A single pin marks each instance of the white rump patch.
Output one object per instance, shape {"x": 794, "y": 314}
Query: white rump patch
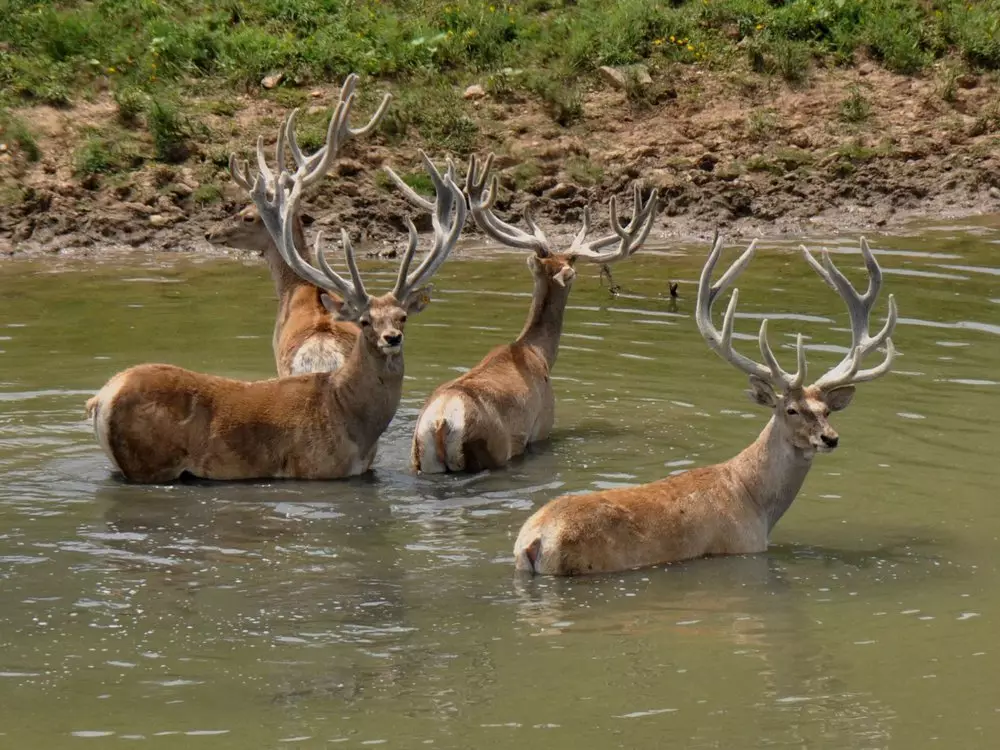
{"x": 448, "y": 411}
{"x": 102, "y": 415}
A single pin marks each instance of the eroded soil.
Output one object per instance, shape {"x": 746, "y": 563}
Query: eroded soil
{"x": 746, "y": 154}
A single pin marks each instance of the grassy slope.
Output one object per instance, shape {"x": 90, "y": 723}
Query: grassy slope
{"x": 173, "y": 67}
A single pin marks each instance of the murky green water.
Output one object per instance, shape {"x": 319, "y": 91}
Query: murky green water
{"x": 384, "y": 610}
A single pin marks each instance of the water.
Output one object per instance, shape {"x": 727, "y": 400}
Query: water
{"x": 384, "y": 610}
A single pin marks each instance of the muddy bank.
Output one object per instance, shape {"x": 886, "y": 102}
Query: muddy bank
{"x": 858, "y": 149}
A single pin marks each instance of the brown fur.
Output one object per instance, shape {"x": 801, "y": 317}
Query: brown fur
{"x": 302, "y": 323}
{"x": 507, "y": 399}
{"x": 165, "y": 421}
{"x": 725, "y": 509}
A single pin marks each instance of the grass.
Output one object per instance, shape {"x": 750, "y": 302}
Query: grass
{"x": 105, "y": 153}
{"x": 855, "y": 108}
{"x": 53, "y": 51}
{"x": 13, "y": 129}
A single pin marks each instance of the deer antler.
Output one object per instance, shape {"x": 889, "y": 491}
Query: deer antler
{"x": 859, "y": 307}
{"x": 309, "y": 169}
{"x": 721, "y": 342}
{"x": 282, "y": 207}
{"x": 630, "y": 237}
{"x": 448, "y": 213}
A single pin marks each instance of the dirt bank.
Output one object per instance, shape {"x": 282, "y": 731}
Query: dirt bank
{"x": 855, "y": 149}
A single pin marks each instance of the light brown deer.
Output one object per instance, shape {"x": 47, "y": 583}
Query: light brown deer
{"x": 156, "y": 422}
{"x": 729, "y": 508}
{"x": 307, "y": 337}
{"x": 490, "y": 414}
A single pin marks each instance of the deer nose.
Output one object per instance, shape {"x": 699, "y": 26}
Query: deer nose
{"x": 208, "y": 236}
{"x": 831, "y": 442}
{"x": 393, "y": 339}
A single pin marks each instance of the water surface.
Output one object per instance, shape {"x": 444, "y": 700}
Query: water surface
{"x": 383, "y": 610}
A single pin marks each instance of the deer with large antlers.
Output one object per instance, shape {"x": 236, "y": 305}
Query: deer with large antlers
{"x": 729, "y": 508}
{"x": 307, "y": 337}
{"x": 156, "y": 422}
{"x": 490, "y": 414}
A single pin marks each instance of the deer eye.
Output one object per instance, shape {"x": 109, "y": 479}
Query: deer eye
{"x": 826, "y": 413}
{"x": 364, "y": 322}
{"x": 402, "y": 319}
{"x": 791, "y": 412}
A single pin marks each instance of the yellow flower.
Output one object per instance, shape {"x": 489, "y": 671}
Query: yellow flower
{"x": 112, "y": 70}
{"x": 690, "y": 48}
{"x": 657, "y": 42}
{"x": 672, "y": 39}
{"x": 760, "y": 26}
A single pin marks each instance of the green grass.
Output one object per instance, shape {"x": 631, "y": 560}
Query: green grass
{"x": 51, "y": 50}
{"x": 14, "y": 129}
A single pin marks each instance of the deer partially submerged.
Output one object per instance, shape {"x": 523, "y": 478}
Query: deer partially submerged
{"x": 307, "y": 337}
{"x": 729, "y": 508}
{"x": 156, "y": 422}
{"x": 484, "y": 418}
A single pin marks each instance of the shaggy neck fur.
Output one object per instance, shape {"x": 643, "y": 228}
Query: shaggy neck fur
{"x": 772, "y": 471}
{"x": 367, "y": 390}
{"x": 544, "y": 325}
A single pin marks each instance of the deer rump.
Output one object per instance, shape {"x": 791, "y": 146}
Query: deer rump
{"x": 487, "y": 416}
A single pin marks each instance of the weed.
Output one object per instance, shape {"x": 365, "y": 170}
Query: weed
{"x": 524, "y": 174}
{"x": 855, "y": 108}
{"x": 761, "y": 124}
{"x": 131, "y": 103}
{"x": 436, "y": 112}
{"x": 582, "y": 171}
{"x": 988, "y": 120}
{"x": 561, "y": 98}
{"x": 947, "y": 82}
{"x": 170, "y": 130}
{"x": 13, "y": 128}
{"x": 103, "y": 154}
{"x": 207, "y": 194}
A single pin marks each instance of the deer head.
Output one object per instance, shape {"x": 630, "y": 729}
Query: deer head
{"x": 801, "y": 412}
{"x": 381, "y": 318}
{"x": 246, "y": 231}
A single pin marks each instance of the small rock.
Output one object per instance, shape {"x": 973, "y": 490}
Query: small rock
{"x": 866, "y": 69}
{"x": 995, "y": 193}
{"x": 562, "y": 190}
{"x": 642, "y": 76}
{"x": 475, "y": 91}
{"x": 159, "y": 220}
{"x": 613, "y": 76}
{"x": 967, "y": 81}
{"x": 349, "y": 168}
{"x": 181, "y": 190}
{"x": 316, "y": 93}
{"x": 269, "y": 82}
{"x": 3, "y": 148}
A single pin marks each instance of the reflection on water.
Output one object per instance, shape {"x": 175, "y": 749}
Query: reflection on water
{"x": 383, "y": 610}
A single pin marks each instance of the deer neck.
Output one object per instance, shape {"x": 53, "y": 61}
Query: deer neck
{"x": 772, "y": 471}
{"x": 285, "y": 279}
{"x": 366, "y": 392}
{"x": 544, "y": 325}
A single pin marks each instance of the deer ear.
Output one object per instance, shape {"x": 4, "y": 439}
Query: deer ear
{"x": 762, "y": 393}
{"x": 339, "y": 308}
{"x": 417, "y": 300}
{"x": 839, "y": 398}
{"x": 565, "y": 276}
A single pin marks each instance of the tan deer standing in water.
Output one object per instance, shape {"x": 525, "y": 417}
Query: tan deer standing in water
{"x": 307, "y": 337}
{"x": 729, "y": 508}
{"x": 492, "y": 413}
{"x": 156, "y": 422}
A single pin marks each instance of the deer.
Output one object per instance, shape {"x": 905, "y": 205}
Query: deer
{"x": 729, "y": 508}
{"x": 307, "y": 337}
{"x": 158, "y": 422}
{"x": 492, "y": 413}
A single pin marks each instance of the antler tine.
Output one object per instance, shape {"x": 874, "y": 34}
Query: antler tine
{"x": 312, "y": 168}
{"x": 411, "y": 195}
{"x": 404, "y": 266}
{"x": 482, "y": 212}
{"x": 629, "y": 237}
{"x": 240, "y": 172}
{"x": 721, "y": 342}
{"x": 859, "y": 308}
{"x": 451, "y": 215}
